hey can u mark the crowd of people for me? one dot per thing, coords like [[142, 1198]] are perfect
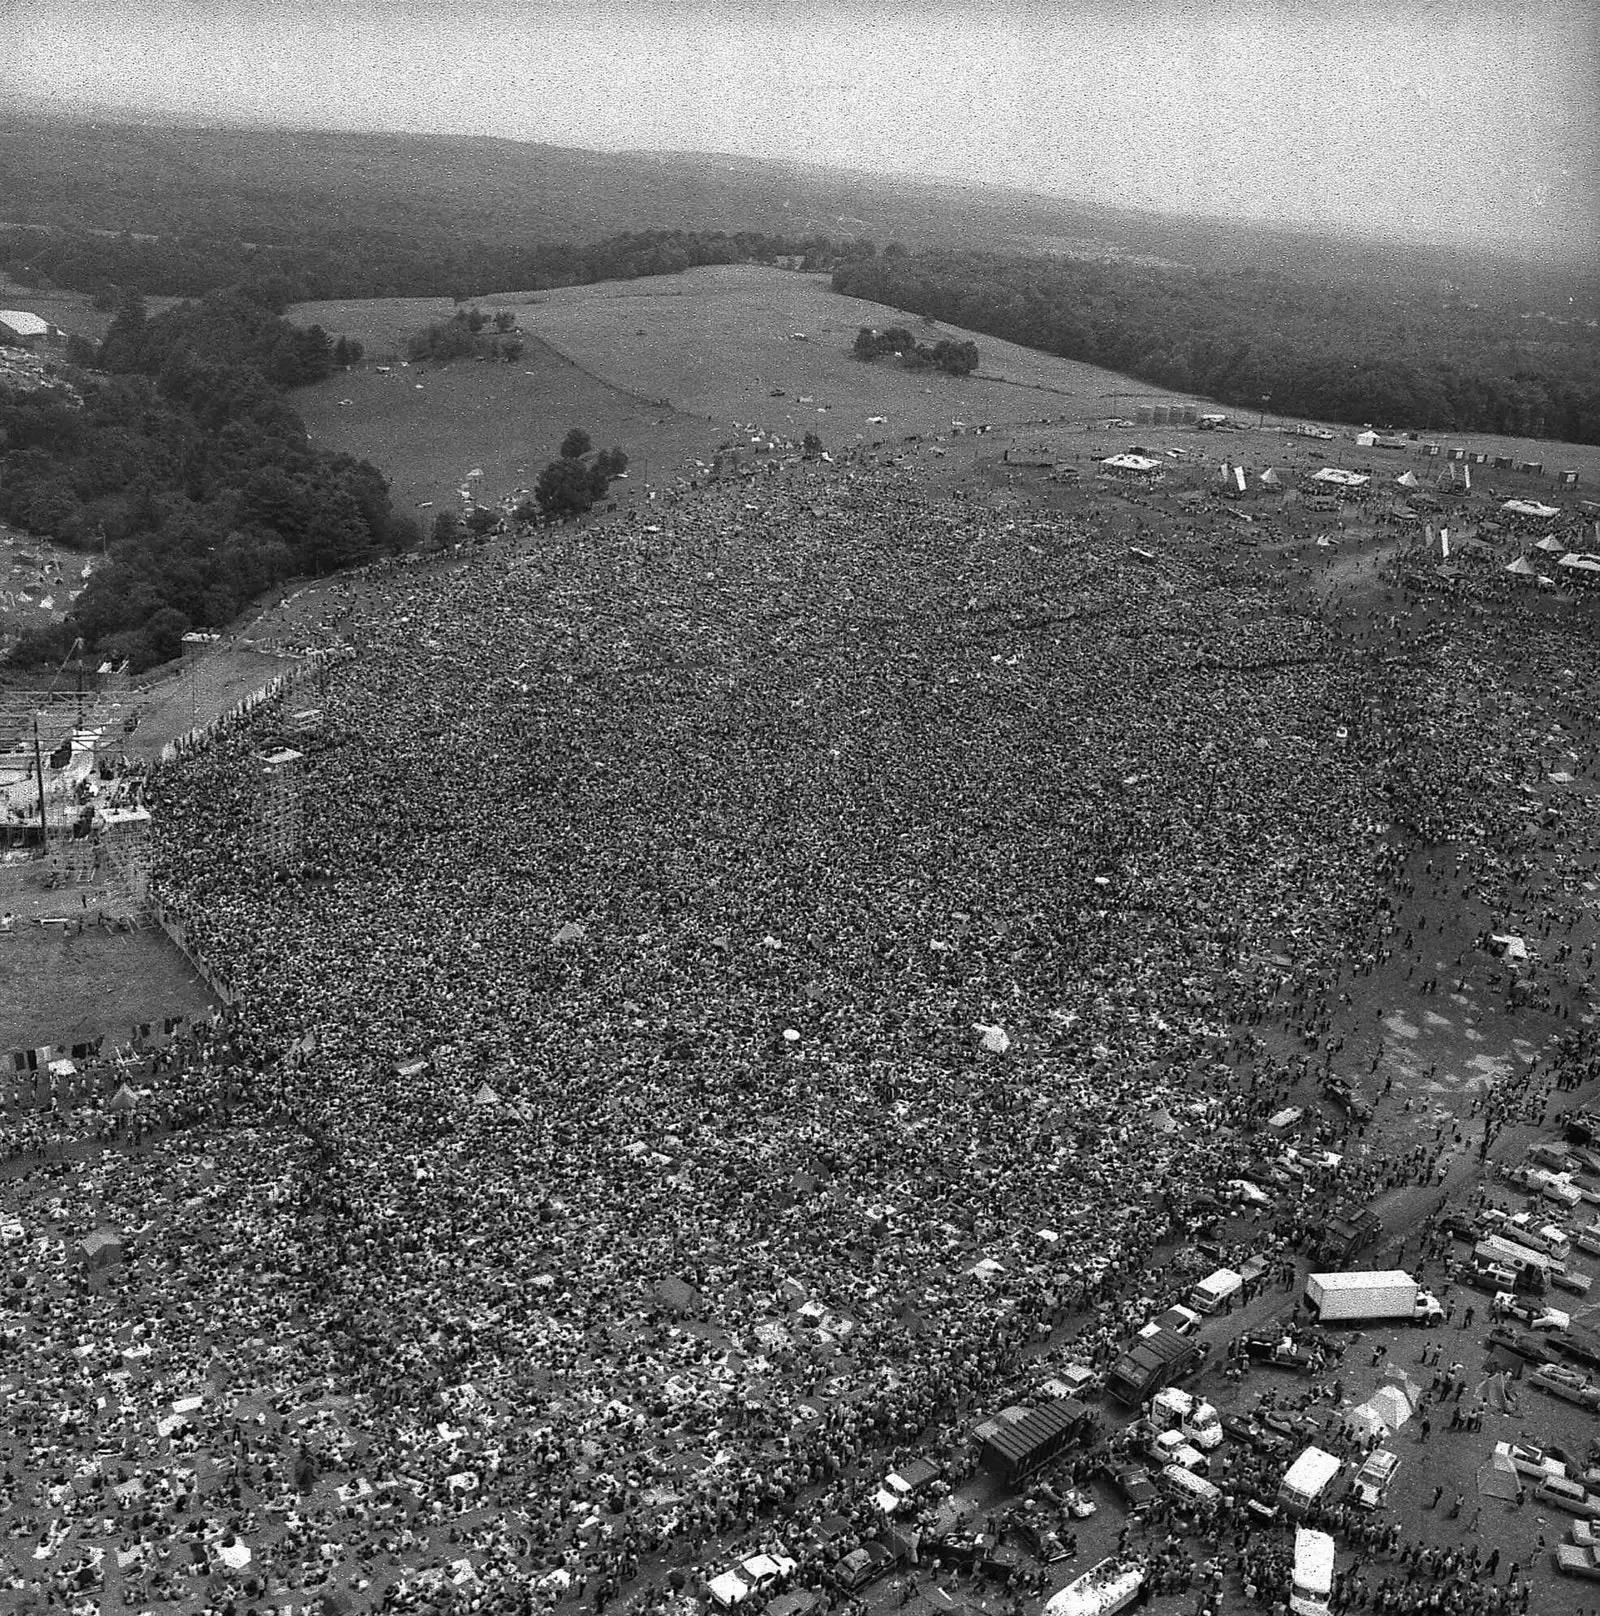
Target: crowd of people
[[759, 968]]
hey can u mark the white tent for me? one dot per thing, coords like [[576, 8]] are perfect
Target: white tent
[[1521, 568], [1338, 477], [1530, 507], [1408, 479], [1366, 440], [1550, 544], [1270, 479]]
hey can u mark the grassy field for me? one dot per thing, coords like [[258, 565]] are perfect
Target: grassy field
[[427, 426], [60, 988], [716, 344]]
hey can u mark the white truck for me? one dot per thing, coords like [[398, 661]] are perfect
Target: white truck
[[1312, 1587], [1215, 1291], [1371, 1296], [1307, 1479], [1173, 1409]]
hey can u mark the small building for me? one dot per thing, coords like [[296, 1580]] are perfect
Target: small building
[[19, 329]]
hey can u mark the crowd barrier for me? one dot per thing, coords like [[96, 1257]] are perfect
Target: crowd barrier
[[177, 933]]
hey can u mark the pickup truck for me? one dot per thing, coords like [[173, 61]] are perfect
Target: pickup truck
[[1279, 1353], [1520, 1345]]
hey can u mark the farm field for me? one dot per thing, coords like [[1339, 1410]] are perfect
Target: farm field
[[427, 426]]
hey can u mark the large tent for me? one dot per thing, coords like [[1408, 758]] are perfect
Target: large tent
[[1337, 477]]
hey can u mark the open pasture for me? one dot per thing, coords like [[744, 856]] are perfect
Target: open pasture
[[427, 426], [720, 341]]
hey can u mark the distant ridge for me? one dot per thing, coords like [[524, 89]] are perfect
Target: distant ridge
[[62, 162]]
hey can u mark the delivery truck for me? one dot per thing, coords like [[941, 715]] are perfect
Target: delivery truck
[[1371, 1296]]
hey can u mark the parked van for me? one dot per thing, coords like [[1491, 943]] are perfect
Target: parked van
[[1307, 1480], [1186, 1487], [1372, 1480], [1312, 1587], [1215, 1291]]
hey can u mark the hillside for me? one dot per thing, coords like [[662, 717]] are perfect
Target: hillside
[[279, 187]]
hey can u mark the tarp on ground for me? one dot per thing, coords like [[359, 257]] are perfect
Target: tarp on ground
[[1499, 1479]]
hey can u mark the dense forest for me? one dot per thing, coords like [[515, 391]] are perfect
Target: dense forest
[[1332, 352], [371, 263], [182, 469]]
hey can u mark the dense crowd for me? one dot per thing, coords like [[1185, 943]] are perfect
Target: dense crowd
[[764, 965]]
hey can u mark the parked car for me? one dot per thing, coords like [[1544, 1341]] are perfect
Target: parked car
[[1252, 1434], [1520, 1345], [1489, 1279], [1170, 1447], [1040, 1538], [1579, 1346], [862, 1566], [1575, 1561], [1132, 1484], [1535, 1463], [1560, 1381], [1508, 1305], [1463, 1225]]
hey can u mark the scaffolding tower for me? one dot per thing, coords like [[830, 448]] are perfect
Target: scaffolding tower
[[124, 838], [278, 816]]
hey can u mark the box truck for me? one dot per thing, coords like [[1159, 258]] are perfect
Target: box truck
[[1152, 1362], [1373, 1295]]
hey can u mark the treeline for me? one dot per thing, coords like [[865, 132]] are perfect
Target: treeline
[[187, 475], [1421, 358], [369, 263]]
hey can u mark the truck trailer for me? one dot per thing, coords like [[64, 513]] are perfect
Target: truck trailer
[[1371, 1295], [1152, 1362]]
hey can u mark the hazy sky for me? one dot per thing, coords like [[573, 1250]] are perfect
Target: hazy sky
[[1476, 120]]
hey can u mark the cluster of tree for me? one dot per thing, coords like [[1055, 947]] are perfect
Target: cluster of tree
[[572, 482], [954, 358], [187, 475], [1414, 357], [468, 334], [374, 263], [239, 327]]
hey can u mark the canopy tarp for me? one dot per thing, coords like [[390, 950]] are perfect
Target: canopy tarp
[[1530, 507], [1499, 1479]]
